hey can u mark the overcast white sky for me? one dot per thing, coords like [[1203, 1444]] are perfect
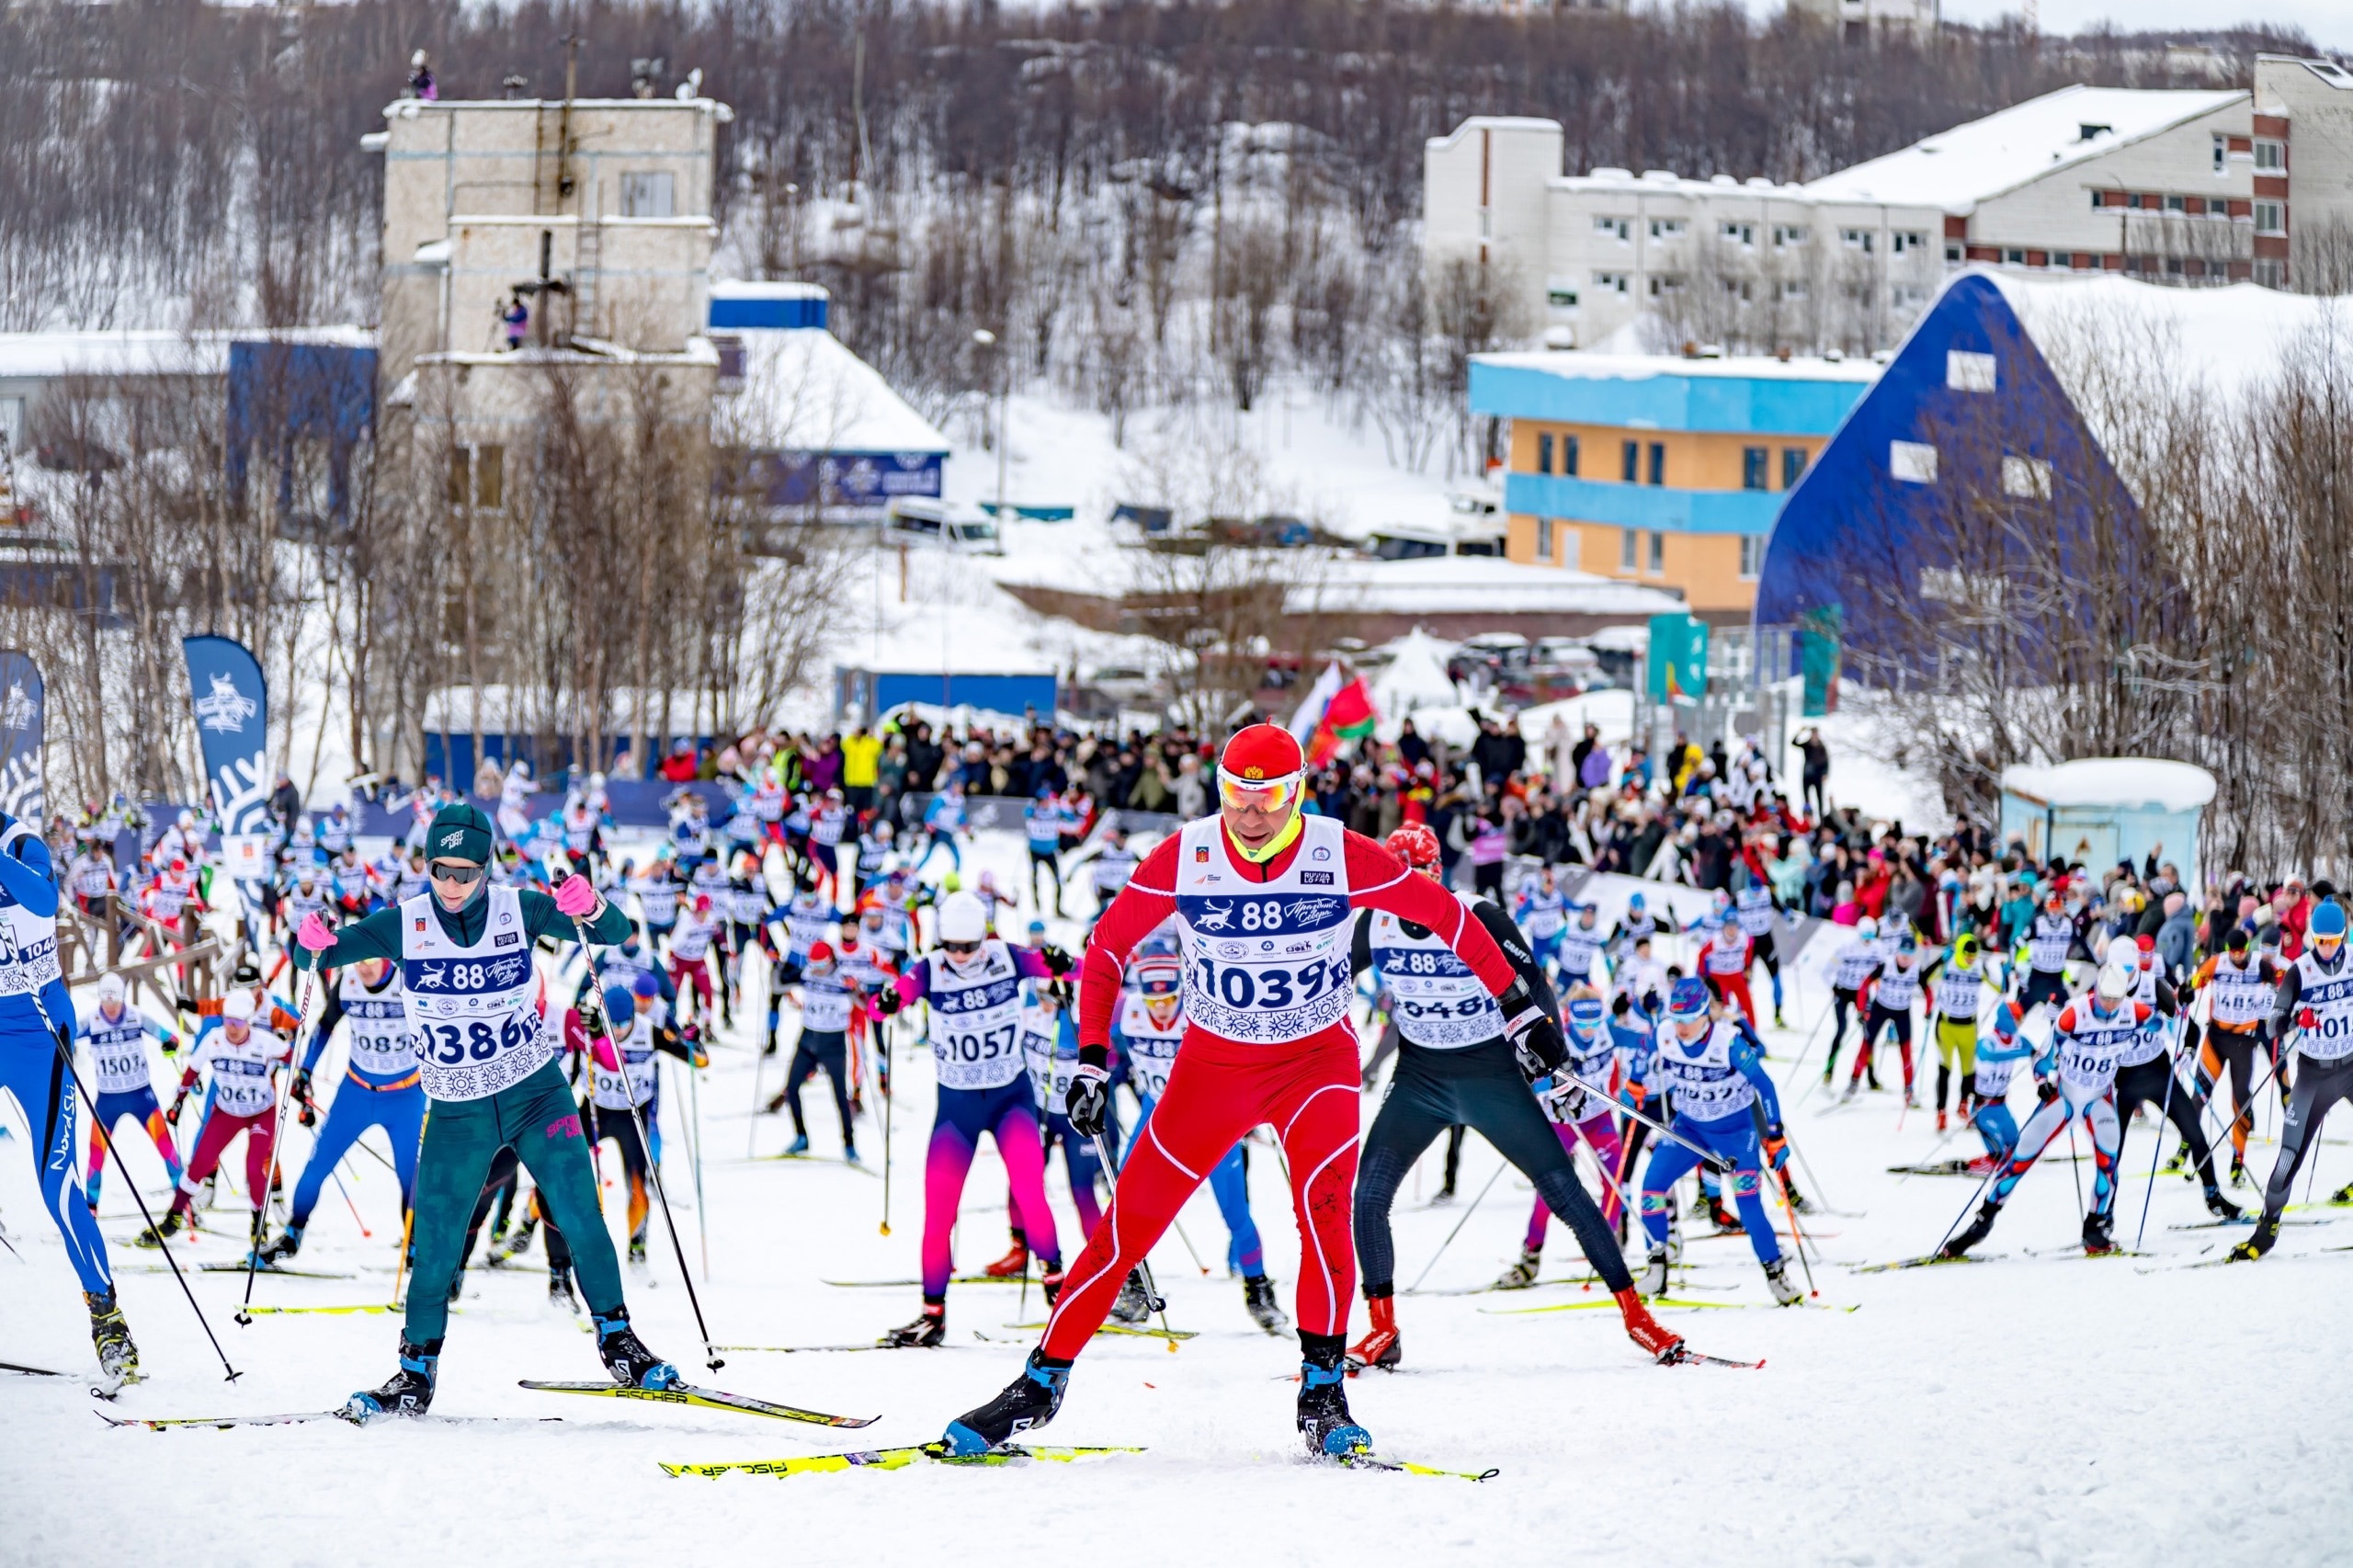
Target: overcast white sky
[[2329, 23]]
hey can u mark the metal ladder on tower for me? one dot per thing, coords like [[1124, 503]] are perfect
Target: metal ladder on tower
[[587, 265]]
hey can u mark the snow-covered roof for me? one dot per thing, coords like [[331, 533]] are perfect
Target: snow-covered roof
[[1957, 169], [1657, 182], [46, 356], [2227, 338], [739, 289], [1468, 585], [803, 392], [2113, 781], [1494, 122], [1576, 365]]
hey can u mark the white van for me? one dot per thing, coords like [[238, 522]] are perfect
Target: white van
[[922, 519]]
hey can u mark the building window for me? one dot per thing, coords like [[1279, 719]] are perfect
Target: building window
[[1668, 228], [1569, 545], [1754, 461], [2270, 217], [1619, 228], [648, 195], [2222, 154], [1792, 466], [1626, 547], [1788, 234], [1915, 462], [1658, 552], [1610, 282], [1751, 557], [2014, 257], [1952, 256], [1737, 288], [1903, 296], [1857, 239], [1965, 371], [2271, 156], [1658, 462], [2026, 478], [2176, 204], [2270, 272], [2099, 200], [479, 473], [1561, 296], [1664, 283], [1743, 234], [1909, 239], [1794, 289], [1545, 456], [1630, 465], [1543, 539], [1569, 454]]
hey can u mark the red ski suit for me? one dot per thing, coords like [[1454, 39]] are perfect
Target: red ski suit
[[1219, 1089]]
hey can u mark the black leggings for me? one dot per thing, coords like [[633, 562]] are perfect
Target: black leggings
[[1480, 1087], [2154, 1082], [2319, 1085], [2232, 1052], [1841, 999], [828, 1049]]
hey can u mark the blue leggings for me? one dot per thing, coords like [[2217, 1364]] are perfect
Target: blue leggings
[[400, 1112], [1229, 1185], [1998, 1127], [32, 1072], [1731, 1139]]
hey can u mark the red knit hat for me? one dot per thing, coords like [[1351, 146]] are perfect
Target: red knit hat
[[1262, 754]]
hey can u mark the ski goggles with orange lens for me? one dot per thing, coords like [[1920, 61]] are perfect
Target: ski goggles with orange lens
[[1274, 796]]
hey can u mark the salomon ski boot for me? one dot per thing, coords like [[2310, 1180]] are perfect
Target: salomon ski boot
[[1323, 1418], [1977, 1231], [1654, 1279], [1028, 1403], [1645, 1330], [1777, 1278], [930, 1329], [410, 1391], [626, 1357], [1380, 1346], [1258, 1300], [1521, 1274], [118, 1356], [2219, 1206]]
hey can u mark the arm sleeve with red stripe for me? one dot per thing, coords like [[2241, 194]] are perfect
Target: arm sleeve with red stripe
[[1149, 898]]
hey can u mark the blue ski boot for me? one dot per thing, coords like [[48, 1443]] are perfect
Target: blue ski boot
[[626, 1357], [1026, 1404], [410, 1391], [799, 1145], [1323, 1417]]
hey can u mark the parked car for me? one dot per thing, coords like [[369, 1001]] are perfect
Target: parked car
[[920, 519]]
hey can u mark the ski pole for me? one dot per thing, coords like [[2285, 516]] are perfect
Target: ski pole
[[752, 1131], [1143, 1262], [399, 1269], [881, 1032], [1457, 1231], [1797, 1237], [637, 1120], [2158, 1158], [1982, 1183], [702, 1211], [1799, 1155], [365, 1233], [244, 1318], [65, 1058], [1713, 1162]]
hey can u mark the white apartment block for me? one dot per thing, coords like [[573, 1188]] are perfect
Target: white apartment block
[[1861, 21], [2184, 187]]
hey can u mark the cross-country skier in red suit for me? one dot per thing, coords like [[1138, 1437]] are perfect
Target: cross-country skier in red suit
[[1263, 898]]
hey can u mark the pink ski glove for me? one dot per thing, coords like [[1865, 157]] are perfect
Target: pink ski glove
[[601, 1048], [315, 934], [575, 897]]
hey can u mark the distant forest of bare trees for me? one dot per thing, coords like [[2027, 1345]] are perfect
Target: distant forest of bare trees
[[1074, 177]]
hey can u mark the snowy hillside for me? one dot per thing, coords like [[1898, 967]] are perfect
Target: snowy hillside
[[2029, 1408]]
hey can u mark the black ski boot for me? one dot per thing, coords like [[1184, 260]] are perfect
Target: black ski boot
[[512, 1244], [1976, 1230], [410, 1391], [1798, 1200], [164, 1231], [927, 1331], [1134, 1304], [2098, 1242], [1323, 1418], [1723, 1218], [2221, 1207], [118, 1356], [2342, 1198], [2266, 1232], [1028, 1403], [289, 1242], [560, 1290], [1258, 1300], [626, 1357]]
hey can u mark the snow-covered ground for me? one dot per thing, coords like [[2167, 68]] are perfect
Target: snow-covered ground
[[2029, 1409]]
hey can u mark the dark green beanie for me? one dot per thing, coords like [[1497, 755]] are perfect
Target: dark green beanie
[[460, 831]]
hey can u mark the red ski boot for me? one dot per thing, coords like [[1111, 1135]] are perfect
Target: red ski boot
[[1645, 1330], [1380, 1346], [1012, 1266]]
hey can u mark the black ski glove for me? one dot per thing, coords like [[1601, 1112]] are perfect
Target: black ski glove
[[1089, 1103], [886, 1001], [1058, 962]]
